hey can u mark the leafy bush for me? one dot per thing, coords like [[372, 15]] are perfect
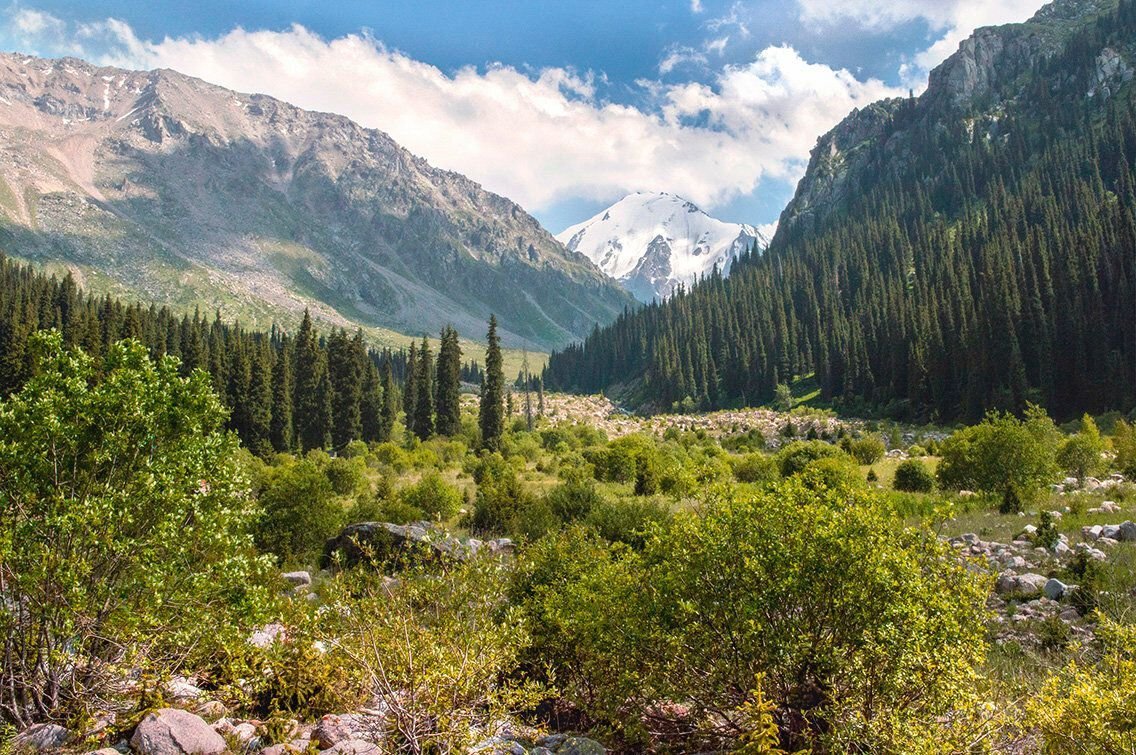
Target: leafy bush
[[794, 457], [500, 496], [574, 499], [866, 450], [756, 467], [122, 506], [1080, 455], [345, 475], [1046, 535], [832, 473], [1124, 441], [856, 625], [1003, 455], [628, 521], [912, 476], [300, 513], [433, 496]]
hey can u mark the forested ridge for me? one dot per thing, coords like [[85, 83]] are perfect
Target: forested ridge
[[988, 261], [284, 390]]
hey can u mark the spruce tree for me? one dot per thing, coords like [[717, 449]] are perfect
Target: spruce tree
[[423, 425], [312, 394], [371, 404], [345, 370], [410, 388], [448, 390], [281, 431], [491, 417], [390, 403]]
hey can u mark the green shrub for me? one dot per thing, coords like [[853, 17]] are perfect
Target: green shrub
[[300, 513], [500, 496], [1080, 455], [573, 500], [832, 473], [627, 521], [794, 457], [124, 543], [756, 467], [433, 496], [345, 475], [912, 476], [867, 450], [1046, 535], [1002, 455]]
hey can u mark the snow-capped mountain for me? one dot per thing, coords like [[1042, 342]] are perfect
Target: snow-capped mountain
[[653, 242]]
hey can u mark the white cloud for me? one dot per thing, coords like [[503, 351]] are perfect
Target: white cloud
[[538, 138], [695, 6], [952, 20]]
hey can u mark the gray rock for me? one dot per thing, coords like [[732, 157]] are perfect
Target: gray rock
[[297, 578], [1111, 531], [1127, 532], [170, 731], [577, 746], [1054, 589], [179, 689], [41, 738], [267, 636], [333, 729], [353, 747]]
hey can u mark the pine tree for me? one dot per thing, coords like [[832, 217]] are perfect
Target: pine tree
[[448, 389], [345, 370], [371, 405], [410, 388], [312, 395], [259, 439], [423, 425], [491, 417], [281, 431], [390, 403]]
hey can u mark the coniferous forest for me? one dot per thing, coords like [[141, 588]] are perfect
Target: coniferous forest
[[976, 269], [284, 391]]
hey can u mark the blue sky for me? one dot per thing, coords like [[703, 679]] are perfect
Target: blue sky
[[563, 106]]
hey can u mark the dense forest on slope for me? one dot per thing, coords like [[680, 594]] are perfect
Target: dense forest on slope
[[983, 258], [284, 391]]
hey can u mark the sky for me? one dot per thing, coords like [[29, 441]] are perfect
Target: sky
[[564, 106]]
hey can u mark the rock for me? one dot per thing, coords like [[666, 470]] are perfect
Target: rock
[[1092, 483], [105, 751], [1054, 589], [1029, 530], [267, 636], [1110, 507], [333, 729], [212, 710], [1111, 531], [284, 749], [353, 747], [574, 746], [1127, 532], [1022, 584], [1070, 482], [1091, 533], [41, 738], [1107, 542], [170, 731], [1061, 549], [180, 690], [297, 578]]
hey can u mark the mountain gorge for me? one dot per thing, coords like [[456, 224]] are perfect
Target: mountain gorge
[[968, 249], [161, 186], [653, 243]]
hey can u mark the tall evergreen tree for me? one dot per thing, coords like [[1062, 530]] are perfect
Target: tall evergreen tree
[[371, 404], [448, 389], [491, 417], [423, 424], [312, 394], [345, 370], [390, 403], [281, 431], [410, 388]]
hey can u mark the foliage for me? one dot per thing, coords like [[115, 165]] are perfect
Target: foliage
[[1080, 455], [122, 507], [756, 467], [300, 513], [1046, 534], [866, 450], [500, 497], [912, 476], [794, 457], [1002, 455], [433, 497], [1089, 707]]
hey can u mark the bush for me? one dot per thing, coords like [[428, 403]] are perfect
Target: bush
[[832, 473], [628, 521], [122, 507], [1003, 455], [500, 496], [793, 458], [1080, 455], [912, 476], [300, 513], [433, 496], [573, 500], [756, 467], [345, 475], [867, 450], [861, 629]]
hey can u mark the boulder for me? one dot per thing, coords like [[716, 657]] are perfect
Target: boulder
[[41, 738], [1127, 532], [333, 729], [297, 578], [180, 690], [561, 745], [353, 747], [1054, 589], [170, 731], [1021, 584]]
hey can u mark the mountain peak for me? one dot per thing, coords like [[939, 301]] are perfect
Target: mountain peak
[[653, 242]]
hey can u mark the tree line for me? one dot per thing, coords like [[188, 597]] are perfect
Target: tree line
[[284, 392], [969, 269]]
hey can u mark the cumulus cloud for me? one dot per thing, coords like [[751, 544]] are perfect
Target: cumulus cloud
[[952, 20], [537, 137]]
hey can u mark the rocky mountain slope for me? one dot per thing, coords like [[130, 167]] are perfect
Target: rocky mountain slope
[[164, 187], [651, 243], [974, 88]]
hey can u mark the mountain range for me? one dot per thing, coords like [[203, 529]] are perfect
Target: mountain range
[[159, 186], [654, 242], [968, 249]]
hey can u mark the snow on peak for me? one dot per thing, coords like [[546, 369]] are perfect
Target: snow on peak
[[652, 242]]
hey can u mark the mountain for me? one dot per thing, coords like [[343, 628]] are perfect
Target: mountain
[[652, 243], [161, 186], [966, 250]]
